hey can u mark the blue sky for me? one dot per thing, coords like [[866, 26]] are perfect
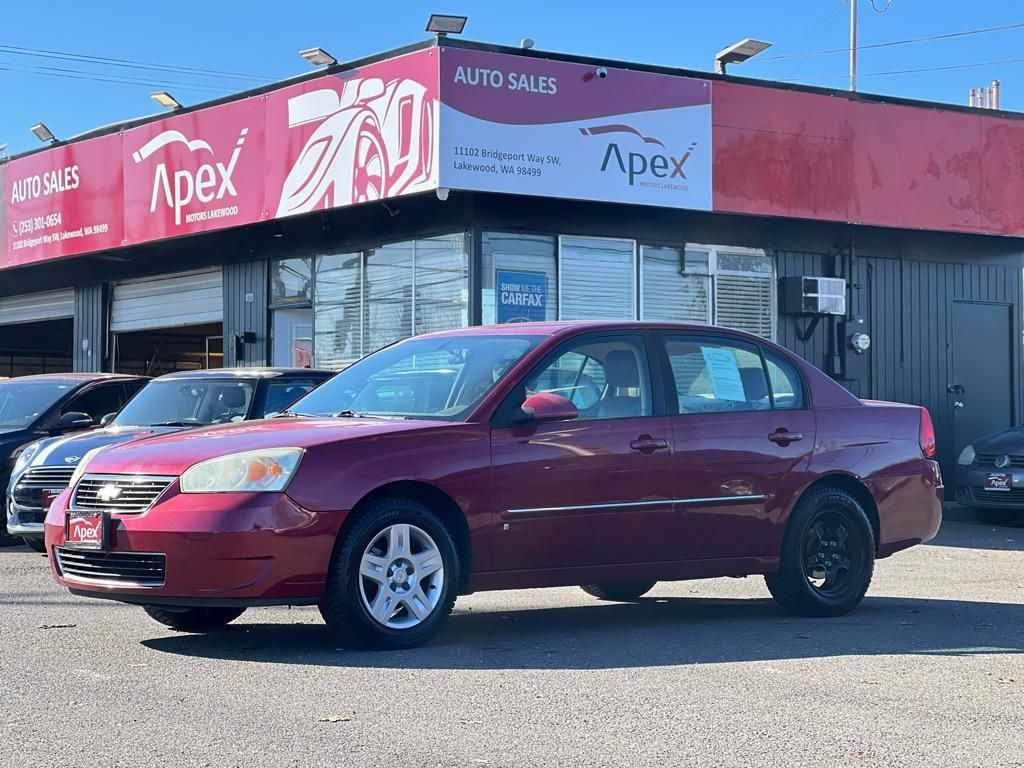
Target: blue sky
[[258, 41]]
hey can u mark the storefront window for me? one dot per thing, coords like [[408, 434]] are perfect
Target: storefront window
[[518, 278], [676, 285], [365, 301], [597, 279], [291, 282]]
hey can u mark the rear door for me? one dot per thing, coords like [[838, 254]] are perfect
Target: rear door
[[595, 490], [741, 423]]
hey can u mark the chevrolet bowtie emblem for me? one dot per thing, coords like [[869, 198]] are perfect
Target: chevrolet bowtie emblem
[[108, 492]]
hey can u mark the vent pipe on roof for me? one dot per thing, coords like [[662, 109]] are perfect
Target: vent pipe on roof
[[993, 99]]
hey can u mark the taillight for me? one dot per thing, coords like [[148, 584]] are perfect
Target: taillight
[[927, 436]]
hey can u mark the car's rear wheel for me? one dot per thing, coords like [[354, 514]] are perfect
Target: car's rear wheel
[[193, 619], [393, 578], [34, 543], [619, 591], [828, 556], [996, 516]]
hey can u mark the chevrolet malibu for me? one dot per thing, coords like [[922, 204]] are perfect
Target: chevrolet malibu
[[610, 456]]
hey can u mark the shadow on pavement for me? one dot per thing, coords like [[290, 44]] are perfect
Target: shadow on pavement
[[974, 534], [650, 632]]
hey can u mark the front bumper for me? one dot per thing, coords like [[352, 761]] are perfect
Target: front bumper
[[216, 549], [24, 521], [971, 491]]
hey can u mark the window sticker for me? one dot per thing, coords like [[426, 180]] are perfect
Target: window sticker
[[724, 371]]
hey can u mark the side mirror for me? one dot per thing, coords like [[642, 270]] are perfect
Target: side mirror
[[73, 420], [107, 419], [547, 406]]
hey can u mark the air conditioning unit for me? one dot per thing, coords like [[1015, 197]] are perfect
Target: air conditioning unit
[[813, 295]]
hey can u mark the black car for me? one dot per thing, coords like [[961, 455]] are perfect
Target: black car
[[990, 477], [172, 402], [32, 407]]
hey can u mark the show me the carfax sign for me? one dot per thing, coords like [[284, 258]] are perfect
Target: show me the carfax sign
[[533, 126]]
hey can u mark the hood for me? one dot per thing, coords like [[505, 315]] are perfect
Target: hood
[[1009, 441], [173, 454], [68, 450]]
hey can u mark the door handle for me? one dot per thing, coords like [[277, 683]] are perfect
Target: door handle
[[784, 437], [648, 444]]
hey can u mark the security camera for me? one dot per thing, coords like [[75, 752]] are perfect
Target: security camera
[[601, 72]]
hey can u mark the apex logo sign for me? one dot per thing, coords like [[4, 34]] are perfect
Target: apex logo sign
[[638, 165], [209, 182]]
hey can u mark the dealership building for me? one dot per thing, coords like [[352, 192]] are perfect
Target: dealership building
[[452, 183]]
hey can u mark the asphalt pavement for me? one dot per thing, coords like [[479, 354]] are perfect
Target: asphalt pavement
[[929, 671]]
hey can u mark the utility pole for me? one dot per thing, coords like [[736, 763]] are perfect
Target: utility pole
[[853, 45]]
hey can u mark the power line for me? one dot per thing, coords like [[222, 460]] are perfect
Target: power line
[[130, 63], [74, 74], [810, 33], [926, 69], [930, 38]]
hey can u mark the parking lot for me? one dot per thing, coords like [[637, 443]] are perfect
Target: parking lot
[[929, 671]]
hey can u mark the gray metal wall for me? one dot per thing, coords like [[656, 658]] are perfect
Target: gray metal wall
[[246, 310], [90, 323]]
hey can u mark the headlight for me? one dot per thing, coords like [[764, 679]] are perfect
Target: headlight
[[83, 465], [253, 471], [966, 456], [24, 456]]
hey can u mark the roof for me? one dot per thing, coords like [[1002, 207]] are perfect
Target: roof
[[82, 377], [246, 373], [452, 42], [552, 328]]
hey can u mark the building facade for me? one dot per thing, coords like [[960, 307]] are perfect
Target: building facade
[[440, 186]]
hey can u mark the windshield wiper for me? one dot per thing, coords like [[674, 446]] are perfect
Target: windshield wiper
[[348, 413], [174, 424], [289, 412]]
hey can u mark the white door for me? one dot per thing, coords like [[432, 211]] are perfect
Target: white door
[[32, 307], [168, 301]]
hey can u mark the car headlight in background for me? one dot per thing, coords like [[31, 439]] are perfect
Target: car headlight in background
[[966, 456], [23, 457], [269, 470]]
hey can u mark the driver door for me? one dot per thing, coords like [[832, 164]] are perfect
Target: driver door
[[594, 490]]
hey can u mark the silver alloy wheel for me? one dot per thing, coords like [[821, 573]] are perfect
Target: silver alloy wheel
[[401, 576]]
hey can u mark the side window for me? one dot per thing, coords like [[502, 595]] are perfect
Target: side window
[[787, 386], [98, 401], [283, 392], [712, 376], [606, 378]]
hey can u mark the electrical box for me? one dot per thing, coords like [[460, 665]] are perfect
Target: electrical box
[[813, 295]]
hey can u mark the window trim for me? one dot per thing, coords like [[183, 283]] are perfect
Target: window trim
[[672, 394], [714, 271], [501, 418]]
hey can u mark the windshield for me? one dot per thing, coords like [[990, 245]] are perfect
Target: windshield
[[442, 378], [186, 403], [22, 402]]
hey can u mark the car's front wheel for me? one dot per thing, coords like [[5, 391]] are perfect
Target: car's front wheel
[[393, 578], [34, 543], [619, 591], [828, 556], [193, 619]]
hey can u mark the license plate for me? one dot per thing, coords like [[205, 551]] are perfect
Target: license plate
[[85, 533], [50, 496], [998, 481]]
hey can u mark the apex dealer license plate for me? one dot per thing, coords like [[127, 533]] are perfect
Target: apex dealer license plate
[[998, 481], [84, 533]]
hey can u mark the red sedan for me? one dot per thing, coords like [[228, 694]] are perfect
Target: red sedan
[[610, 455]]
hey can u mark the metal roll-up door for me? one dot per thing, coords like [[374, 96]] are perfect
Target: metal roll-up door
[[169, 301], [32, 307]]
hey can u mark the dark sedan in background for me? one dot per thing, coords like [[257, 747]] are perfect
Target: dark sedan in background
[[33, 407], [990, 477], [172, 402]]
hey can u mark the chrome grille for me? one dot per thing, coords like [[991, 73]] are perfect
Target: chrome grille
[[131, 569], [1012, 496], [124, 494], [989, 460], [46, 477]]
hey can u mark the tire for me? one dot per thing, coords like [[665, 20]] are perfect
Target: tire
[[409, 579], [619, 591], [815, 548], [193, 619], [996, 516], [35, 543]]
